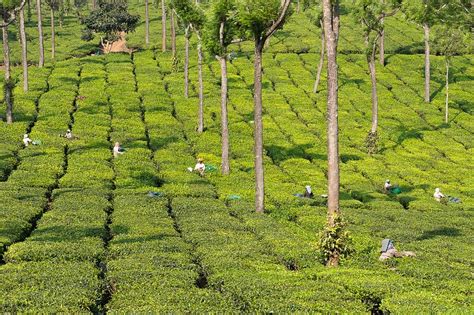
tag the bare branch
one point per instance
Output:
(13, 15)
(279, 21)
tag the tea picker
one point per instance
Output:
(308, 193)
(118, 149)
(26, 140)
(388, 251)
(391, 189)
(440, 197)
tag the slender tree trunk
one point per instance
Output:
(40, 34)
(24, 56)
(382, 45)
(375, 105)
(201, 89)
(94, 4)
(258, 132)
(225, 165)
(331, 30)
(53, 43)
(447, 92)
(163, 26)
(7, 83)
(321, 61)
(297, 6)
(224, 121)
(186, 62)
(173, 34)
(147, 24)
(426, 28)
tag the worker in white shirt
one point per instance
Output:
(117, 149)
(200, 167)
(26, 140)
(438, 195)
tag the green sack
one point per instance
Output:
(210, 168)
(234, 197)
(396, 190)
(36, 142)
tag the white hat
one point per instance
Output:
(308, 188)
(437, 190)
(387, 181)
(25, 135)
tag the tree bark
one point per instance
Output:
(94, 4)
(173, 34)
(225, 165)
(258, 131)
(331, 31)
(321, 61)
(373, 79)
(447, 92)
(382, 45)
(147, 24)
(186, 62)
(40, 34)
(224, 121)
(24, 54)
(163, 26)
(53, 44)
(201, 89)
(426, 29)
(7, 83)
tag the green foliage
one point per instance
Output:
(189, 13)
(334, 240)
(257, 16)
(221, 12)
(110, 19)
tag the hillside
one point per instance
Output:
(80, 233)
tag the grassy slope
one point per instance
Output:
(418, 152)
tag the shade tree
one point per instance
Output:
(260, 19)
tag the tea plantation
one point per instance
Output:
(79, 233)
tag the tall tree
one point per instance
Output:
(111, 20)
(331, 33)
(260, 18)
(451, 36)
(313, 9)
(147, 24)
(53, 6)
(220, 31)
(8, 10)
(40, 34)
(163, 26)
(370, 14)
(24, 53)
(193, 18)
(426, 14)
(173, 35)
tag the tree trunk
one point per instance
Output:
(40, 34)
(53, 44)
(201, 90)
(7, 83)
(147, 24)
(186, 62)
(225, 165)
(173, 34)
(426, 28)
(375, 105)
(24, 56)
(163, 26)
(321, 61)
(94, 4)
(331, 30)
(258, 132)
(297, 6)
(447, 92)
(224, 122)
(382, 46)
